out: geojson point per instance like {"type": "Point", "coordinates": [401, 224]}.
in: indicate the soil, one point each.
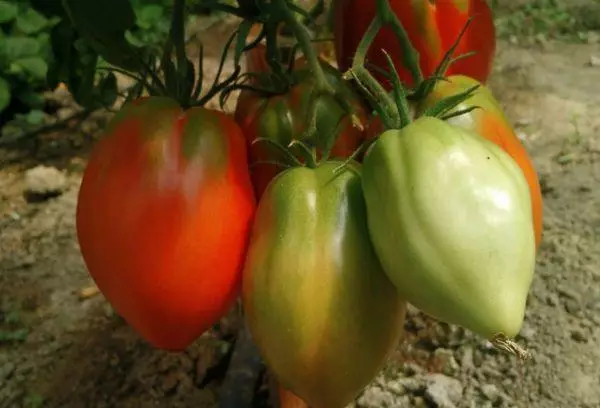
{"type": "Point", "coordinates": [62, 346]}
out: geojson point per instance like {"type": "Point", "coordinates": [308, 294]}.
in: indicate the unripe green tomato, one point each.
{"type": "Point", "coordinates": [449, 215]}
{"type": "Point", "coordinates": [321, 310]}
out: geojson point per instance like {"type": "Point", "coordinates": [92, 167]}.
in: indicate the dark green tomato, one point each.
{"type": "Point", "coordinates": [283, 118]}
{"type": "Point", "coordinates": [320, 308]}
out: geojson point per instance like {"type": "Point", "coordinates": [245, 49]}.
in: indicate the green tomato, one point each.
{"type": "Point", "coordinates": [320, 308]}
{"type": "Point", "coordinates": [449, 215]}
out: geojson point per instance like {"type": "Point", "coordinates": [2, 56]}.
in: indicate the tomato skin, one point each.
{"type": "Point", "coordinates": [283, 118]}
{"type": "Point", "coordinates": [163, 218]}
{"type": "Point", "coordinates": [449, 216]}
{"type": "Point", "coordinates": [432, 28]}
{"type": "Point", "coordinates": [315, 297]}
{"type": "Point", "coordinates": [490, 122]}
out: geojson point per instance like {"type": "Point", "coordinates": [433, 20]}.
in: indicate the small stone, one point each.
{"type": "Point", "coordinates": [43, 182]}
{"type": "Point", "coordinates": [411, 369]}
{"type": "Point", "coordinates": [572, 307]}
{"type": "Point", "coordinates": [552, 299]}
{"type": "Point", "coordinates": [568, 293]}
{"type": "Point", "coordinates": [419, 402]}
{"type": "Point", "coordinates": [412, 385]}
{"type": "Point", "coordinates": [593, 38]}
{"type": "Point", "coordinates": [466, 359]}
{"type": "Point", "coordinates": [170, 381]}
{"type": "Point", "coordinates": [490, 392]}
{"type": "Point", "coordinates": [579, 336]}
{"type": "Point", "coordinates": [376, 397]}
{"type": "Point", "coordinates": [594, 61]}
{"type": "Point", "coordinates": [6, 370]}
{"type": "Point", "coordinates": [446, 358]}
{"type": "Point", "coordinates": [527, 332]}
{"type": "Point", "coordinates": [443, 391]}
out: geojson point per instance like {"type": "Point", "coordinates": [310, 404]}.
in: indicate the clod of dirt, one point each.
{"type": "Point", "coordinates": [43, 183]}
{"type": "Point", "coordinates": [594, 61]}
{"type": "Point", "coordinates": [443, 391]}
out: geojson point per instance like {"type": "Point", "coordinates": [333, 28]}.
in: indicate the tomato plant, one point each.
{"type": "Point", "coordinates": [450, 218]}
{"type": "Point", "coordinates": [489, 121]}
{"type": "Point", "coordinates": [163, 217]}
{"type": "Point", "coordinates": [282, 118]}
{"type": "Point", "coordinates": [432, 27]}
{"type": "Point", "coordinates": [314, 292]}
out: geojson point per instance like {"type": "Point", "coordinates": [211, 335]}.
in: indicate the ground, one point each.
{"type": "Point", "coordinates": [60, 346]}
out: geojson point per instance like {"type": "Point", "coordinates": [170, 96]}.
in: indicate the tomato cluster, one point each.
{"type": "Point", "coordinates": [182, 211]}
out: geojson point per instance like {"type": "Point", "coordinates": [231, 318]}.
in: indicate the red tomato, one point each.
{"type": "Point", "coordinates": [432, 26]}
{"type": "Point", "coordinates": [163, 218]}
{"type": "Point", "coordinates": [283, 118]}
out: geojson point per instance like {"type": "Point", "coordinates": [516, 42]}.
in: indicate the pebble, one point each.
{"type": "Point", "coordinates": [419, 402]}
{"type": "Point", "coordinates": [443, 391]}
{"type": "Point", "coordinates": [527, 332]}
{"type": "Point", "coordinates": [491, 392]}
{"type": "Point", "coordinates": [466, 359]}
{"type": "Point", "coordinates": [572, 307]}
{"type": "Point", "coordinates": [594, 61]}
{"type": "Point", "coordinates": [376, 397]}
{"type": "Point", "coordinates": [579, 336]}
{"type": "Point", "coordinates": [6, 370]}
{"type": "Point", "coordinates": [552, 300]}
{"type": "Point", "coordinates": [446, 358]}
{"type": "Point", "coordinates": [411, 369]}
{"type": "Point", "coordinates": [43, 182]}
{"type": "Point", "coordinates": [568, 293]}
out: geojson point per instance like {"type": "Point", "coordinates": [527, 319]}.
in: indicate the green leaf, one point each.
{"type": "Point", "coordinates": [108, 90]}
{"type": "Point", "coordinates": [49, 8]}
{"type": "Point", "coordinates": [31, 22]}
{"type": "Point", "coordinates": [4, 94]}
{"type": "Point", "coordinates": [12, 48]}
{"type": "Point", "coordinates": [103, 24]}
{"type": "Point", "coordinates": [35, 117]}
{"type": "Point", "coordinates": [149, 16]}
{"type": "Point", "coordinates": [101, 18]}
{"type": "Point", "coordinates": [31, 98]}
{"type": "Point", "coordinates": [36, 67]}
{"type": "Point", "coordinates": [8, 12]}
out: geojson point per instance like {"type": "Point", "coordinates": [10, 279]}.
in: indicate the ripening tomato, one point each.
{"type": "Point", "coordinates": [320, 308]}
{"type": "Point", "coordinates": [163, 218]}
{"type": "Point", "coordinates": [283, 118]}
{"type": "Point", "coordinates": [432, 27]}
{"type": "Point", "coordinates": [490, 122]}
{"type": "Point", "coordinates": [449, 216]}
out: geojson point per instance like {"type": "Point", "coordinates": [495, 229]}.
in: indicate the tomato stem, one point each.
{"type": "Point", "coordinates": [410, 55]}
{"type": "Point", "coordinates": [177, 38]}
{"type": "Point", "coordinates": [384, 104]}
{"type": "Point", "coordinates": [302, 36]}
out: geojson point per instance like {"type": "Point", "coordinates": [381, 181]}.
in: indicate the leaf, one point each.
{"type": "Point", "coordinates": [31, 22]}
{"type": "Point", "coordinates": [49, 8]}
{"type": "Point", "coordinates": [8, 12]}
{"type": "Point", "coordinates": [108, 90]}
{"type": "Point", "coordinates": [12, 48]}
{"type": "Point", "coordinates": [35, 117]}
{"type": "Point", "coordinates": [104, 24]}
{"type": "Point", "coordinates": [102, 19]}
{"type": "Point", "coordinates": [4, 94]}
{"type": "Point", "coordinates": [149, 16]}
{"type": "Point", "coordinates": [31, 98]}
{"type": "Point", "coordinates": [36, 67]}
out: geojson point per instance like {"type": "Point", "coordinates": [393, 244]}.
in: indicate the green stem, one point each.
{"type": "Point", "coordinates": [389, 110]}
{"type": "Point", "coordinates": [177, 35]}
{"type": "Point", "coordinates": [410, 55]}
{"type": "Point", "coordinates": [303, 37]}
